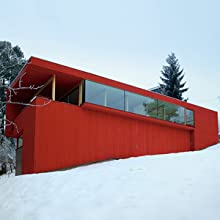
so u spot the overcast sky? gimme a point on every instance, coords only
(125, 40)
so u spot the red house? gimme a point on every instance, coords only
(64, 117)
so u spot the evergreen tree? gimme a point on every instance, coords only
(171, 77)
(11, 62)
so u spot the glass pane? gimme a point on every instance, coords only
(170, 112)
(161, 109)
(104, 95)
(115, 98)
(152, 108)
(189, 117)
(74, 96)
(95, 93)
(180, 117)
(138, 104)
(20, 142)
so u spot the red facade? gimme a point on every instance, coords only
(59, 135)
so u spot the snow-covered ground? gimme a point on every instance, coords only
(183, 186)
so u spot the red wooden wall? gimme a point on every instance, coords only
(206, 127)
(62, 135)
(26, 127)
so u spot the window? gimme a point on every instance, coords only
(180, 115)
(108, 96)
(138, 104)
(72, 97)
(104, 95)
(170, 112)
(189, 117)
(20, 142)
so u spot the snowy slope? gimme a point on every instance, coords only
(183, 186)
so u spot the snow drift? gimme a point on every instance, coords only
(183, 186)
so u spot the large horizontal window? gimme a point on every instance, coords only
(130, 102)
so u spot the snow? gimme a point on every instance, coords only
(183, 186)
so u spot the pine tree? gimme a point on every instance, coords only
(172, 75)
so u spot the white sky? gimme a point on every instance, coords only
(122, 39)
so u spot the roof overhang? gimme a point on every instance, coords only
(37, 72)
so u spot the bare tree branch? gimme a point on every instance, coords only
(9, 123)
(13, 92)
(28, 104)
(20, 87)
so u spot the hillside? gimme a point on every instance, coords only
(183, 186)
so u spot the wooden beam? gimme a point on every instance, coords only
(53, 87)
(80, 93)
